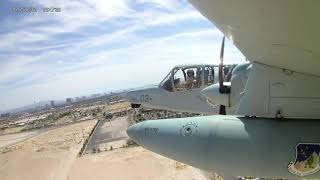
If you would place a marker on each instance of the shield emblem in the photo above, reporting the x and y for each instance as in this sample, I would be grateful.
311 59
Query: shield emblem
307 159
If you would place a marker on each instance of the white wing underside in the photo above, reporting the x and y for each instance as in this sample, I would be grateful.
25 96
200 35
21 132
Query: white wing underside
282 33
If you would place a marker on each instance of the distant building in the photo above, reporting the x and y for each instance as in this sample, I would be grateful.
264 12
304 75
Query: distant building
95 95
52 103
5 115
69 100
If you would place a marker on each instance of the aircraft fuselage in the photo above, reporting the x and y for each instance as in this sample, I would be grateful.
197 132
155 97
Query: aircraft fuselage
158 98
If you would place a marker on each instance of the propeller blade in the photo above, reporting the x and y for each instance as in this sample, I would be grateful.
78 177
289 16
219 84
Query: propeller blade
222 110
221 74
222 50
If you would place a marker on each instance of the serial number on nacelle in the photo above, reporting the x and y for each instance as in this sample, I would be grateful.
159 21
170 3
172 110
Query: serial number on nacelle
145 98
151 130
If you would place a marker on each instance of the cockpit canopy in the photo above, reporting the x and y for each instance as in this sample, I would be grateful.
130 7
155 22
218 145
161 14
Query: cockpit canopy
188 77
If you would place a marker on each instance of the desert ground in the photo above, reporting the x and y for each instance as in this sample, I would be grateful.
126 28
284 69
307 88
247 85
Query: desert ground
11 139
134 163
92 149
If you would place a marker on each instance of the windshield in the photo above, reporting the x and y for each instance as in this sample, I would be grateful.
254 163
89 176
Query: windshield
166 83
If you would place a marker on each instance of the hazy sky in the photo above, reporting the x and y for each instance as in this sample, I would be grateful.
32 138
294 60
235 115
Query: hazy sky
94 46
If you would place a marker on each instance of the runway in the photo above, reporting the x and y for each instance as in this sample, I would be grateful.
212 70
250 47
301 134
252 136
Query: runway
107 132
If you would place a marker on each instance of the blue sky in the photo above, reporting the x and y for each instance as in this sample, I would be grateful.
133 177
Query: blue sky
94 46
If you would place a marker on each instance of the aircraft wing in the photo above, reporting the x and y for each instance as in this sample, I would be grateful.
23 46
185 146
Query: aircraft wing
280 38
277 33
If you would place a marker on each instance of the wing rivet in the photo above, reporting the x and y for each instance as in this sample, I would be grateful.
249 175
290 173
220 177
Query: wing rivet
287 71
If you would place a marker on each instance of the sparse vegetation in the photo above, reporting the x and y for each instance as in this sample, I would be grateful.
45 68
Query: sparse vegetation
144 114
179 166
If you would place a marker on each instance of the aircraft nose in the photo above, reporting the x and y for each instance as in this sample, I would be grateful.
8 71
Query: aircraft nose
213 94
133 132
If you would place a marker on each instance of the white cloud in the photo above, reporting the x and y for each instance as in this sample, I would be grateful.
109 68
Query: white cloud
166 4
58 73
74 15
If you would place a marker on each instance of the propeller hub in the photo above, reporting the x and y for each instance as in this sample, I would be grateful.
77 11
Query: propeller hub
213 94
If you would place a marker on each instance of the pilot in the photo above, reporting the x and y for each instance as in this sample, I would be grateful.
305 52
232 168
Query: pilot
190 79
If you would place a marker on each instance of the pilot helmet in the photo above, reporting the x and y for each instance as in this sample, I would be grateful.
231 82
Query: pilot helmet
190 72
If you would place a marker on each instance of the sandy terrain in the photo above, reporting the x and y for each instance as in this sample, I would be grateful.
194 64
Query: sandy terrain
59 139
11 130
53 155
118 106
10 139
35 165
133 163
47 156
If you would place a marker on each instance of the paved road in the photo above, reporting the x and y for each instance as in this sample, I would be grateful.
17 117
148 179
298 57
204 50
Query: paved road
15 138
11 139
106 132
